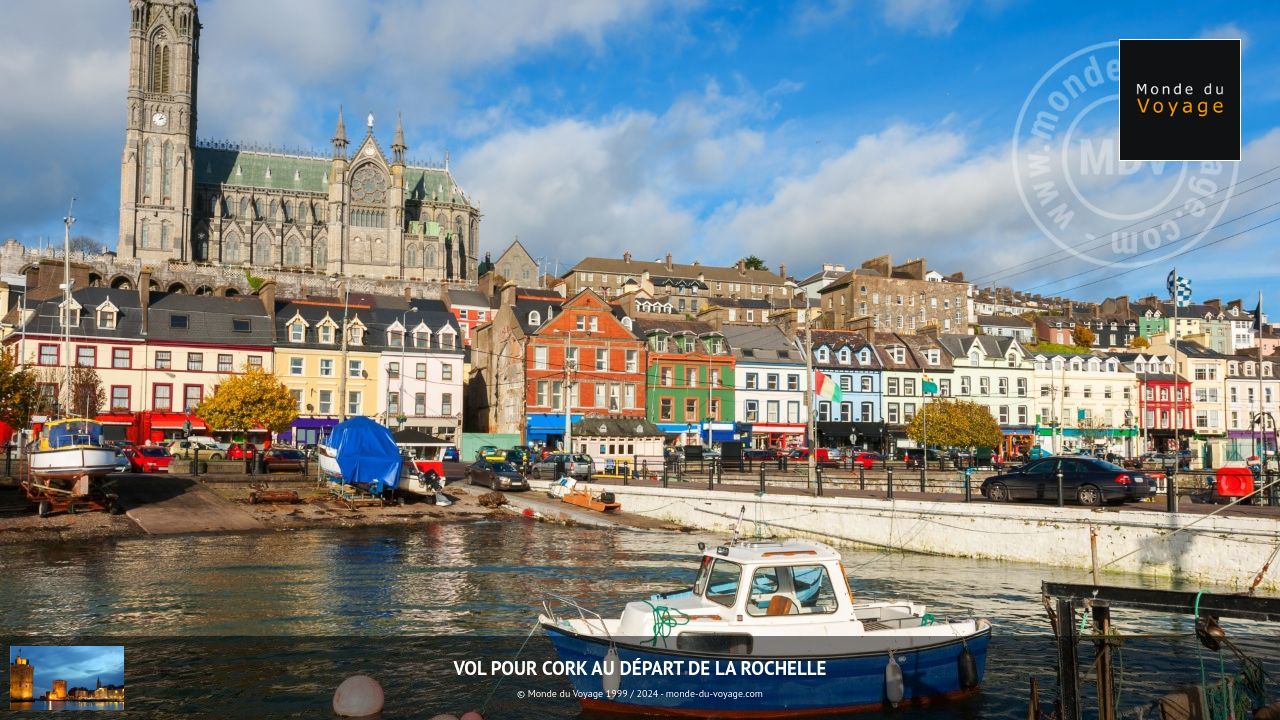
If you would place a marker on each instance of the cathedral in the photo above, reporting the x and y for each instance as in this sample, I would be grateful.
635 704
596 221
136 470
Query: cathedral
356 212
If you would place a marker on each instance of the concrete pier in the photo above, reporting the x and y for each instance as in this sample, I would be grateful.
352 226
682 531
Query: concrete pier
1222 550
171 505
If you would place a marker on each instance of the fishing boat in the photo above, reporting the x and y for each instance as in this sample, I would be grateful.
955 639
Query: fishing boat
361 455
72 449
769 629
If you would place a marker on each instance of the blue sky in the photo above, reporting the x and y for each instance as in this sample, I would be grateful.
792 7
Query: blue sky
79 665
801 132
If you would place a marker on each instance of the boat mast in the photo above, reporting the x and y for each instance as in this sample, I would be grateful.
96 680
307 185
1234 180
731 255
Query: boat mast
66 305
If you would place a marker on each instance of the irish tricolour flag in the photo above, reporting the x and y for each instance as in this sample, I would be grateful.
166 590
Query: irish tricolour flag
827 388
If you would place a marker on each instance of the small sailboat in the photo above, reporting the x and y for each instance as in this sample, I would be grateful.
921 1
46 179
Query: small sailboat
72 449
769 629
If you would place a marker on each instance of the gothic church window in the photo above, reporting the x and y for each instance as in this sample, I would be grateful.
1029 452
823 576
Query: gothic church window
411 255
369 185
164 235
142 236
166 170
148 157
293 253
244 208
159 80
431 256
231 248
272 210
321 253
262 251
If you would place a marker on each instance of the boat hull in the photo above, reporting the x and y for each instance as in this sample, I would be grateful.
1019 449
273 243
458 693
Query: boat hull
328 460
850 683
73 462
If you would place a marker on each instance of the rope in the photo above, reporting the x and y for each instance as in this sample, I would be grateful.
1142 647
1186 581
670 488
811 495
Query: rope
663 622
494 689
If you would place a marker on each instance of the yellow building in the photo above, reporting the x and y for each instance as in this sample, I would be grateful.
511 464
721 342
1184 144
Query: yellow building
308 360
59 690
22 676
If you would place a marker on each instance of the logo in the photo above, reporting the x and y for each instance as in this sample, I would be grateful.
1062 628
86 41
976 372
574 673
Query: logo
1180 99
1092 204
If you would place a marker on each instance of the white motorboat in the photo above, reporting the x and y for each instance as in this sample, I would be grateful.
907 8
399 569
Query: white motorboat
72 449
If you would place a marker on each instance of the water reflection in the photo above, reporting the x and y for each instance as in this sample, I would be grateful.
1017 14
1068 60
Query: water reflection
272 622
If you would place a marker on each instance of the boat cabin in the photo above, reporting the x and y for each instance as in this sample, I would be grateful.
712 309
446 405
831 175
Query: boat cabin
779 578
75 432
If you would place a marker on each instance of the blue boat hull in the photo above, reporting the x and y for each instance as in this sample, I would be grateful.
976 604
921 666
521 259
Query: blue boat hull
851 683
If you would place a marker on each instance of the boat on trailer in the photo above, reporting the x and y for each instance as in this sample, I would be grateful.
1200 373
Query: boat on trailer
769 629
72 449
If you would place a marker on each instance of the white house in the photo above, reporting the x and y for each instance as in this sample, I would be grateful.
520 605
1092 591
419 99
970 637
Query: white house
769 384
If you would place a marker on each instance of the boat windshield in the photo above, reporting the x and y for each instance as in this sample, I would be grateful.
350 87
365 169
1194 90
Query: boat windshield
719 580
75 432
791 590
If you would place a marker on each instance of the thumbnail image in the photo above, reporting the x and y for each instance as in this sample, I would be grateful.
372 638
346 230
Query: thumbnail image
66 677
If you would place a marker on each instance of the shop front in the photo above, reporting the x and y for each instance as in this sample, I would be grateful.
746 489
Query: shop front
1016 441
308 431
777 435
546 428
861 435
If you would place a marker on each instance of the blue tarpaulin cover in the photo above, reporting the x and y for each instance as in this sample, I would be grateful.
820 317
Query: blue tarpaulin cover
367 454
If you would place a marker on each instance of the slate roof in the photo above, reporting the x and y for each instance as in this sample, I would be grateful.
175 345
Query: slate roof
748 303
837 339
44 315
991 345
655 323
1196 350
547 303
615 426
765 344
1010 321
376 319
678 270
821 275
209 319
913 358
466 298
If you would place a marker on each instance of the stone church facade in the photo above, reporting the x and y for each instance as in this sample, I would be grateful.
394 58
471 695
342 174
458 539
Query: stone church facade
358 212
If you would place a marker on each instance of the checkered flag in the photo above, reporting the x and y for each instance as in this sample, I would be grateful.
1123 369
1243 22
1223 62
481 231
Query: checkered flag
1179 289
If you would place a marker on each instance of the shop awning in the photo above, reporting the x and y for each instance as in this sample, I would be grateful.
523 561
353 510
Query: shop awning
777 429
176 421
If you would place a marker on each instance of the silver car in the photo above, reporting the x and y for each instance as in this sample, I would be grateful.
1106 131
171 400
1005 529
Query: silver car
578 466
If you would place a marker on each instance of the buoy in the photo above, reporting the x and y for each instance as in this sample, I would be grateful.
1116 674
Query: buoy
893 682
472 715
968 669
358 696
527 512
612 679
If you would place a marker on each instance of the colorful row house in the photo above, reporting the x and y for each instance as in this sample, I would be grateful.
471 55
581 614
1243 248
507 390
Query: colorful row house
690 381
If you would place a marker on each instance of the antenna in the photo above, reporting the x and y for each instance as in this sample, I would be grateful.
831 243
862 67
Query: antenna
737 527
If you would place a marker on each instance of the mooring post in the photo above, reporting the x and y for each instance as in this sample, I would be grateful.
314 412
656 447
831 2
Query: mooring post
862 477
195 464
888 482
819 476
1068 679
711 476
1061 499
1106 680
761 478
922 471
1171 491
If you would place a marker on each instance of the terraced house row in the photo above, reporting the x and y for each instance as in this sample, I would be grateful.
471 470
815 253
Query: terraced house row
164 353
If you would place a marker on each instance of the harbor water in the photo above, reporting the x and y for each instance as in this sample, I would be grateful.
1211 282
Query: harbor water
266 625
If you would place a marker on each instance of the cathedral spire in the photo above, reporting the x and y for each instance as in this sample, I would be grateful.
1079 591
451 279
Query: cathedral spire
340 137
397 145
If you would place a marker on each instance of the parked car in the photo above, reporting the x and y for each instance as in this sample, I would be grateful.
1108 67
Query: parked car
187 449
913 456
208 443
491 452
1038 453
518 456
578 466
496 475
280 459
122 461
241 451
149 459
1086 480
450 454
866 459
760 454
825 457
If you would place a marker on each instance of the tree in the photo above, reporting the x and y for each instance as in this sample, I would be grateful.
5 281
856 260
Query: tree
751 262
19 390
87 245
1139 342
252 399
1082 336
87 396
955 423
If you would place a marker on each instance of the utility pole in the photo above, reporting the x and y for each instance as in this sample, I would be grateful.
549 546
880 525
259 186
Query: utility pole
565 393
808 396
344 370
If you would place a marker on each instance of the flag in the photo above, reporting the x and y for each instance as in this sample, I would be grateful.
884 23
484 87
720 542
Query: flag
1257 317
827 388
1179 288
928 387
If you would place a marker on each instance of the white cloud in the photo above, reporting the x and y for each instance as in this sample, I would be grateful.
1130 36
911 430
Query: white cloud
932 17
1227 31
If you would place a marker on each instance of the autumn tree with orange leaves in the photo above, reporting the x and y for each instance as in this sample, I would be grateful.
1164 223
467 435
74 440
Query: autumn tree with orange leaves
249 400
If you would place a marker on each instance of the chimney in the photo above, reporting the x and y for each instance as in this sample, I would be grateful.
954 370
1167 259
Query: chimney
882 265
508 295
626 257
408 292
782 270
742 267
267 294
1215 303
144 298
669 265
913 269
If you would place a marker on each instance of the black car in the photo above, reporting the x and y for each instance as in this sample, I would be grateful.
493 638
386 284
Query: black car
760 454
1086 480
496 475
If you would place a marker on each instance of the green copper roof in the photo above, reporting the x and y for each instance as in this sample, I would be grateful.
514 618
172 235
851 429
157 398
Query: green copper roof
429 184
265 171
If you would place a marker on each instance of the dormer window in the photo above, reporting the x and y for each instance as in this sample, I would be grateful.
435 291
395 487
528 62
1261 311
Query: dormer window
325 333
448 339
932 357
626 323
106 319
355 336
297 332
864 357
975 357
898 353
535 319
421 339
395 337
845 356
179 322
823 355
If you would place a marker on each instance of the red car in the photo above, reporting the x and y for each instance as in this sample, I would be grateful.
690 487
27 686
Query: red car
825 457
240 451
866 459
148 459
